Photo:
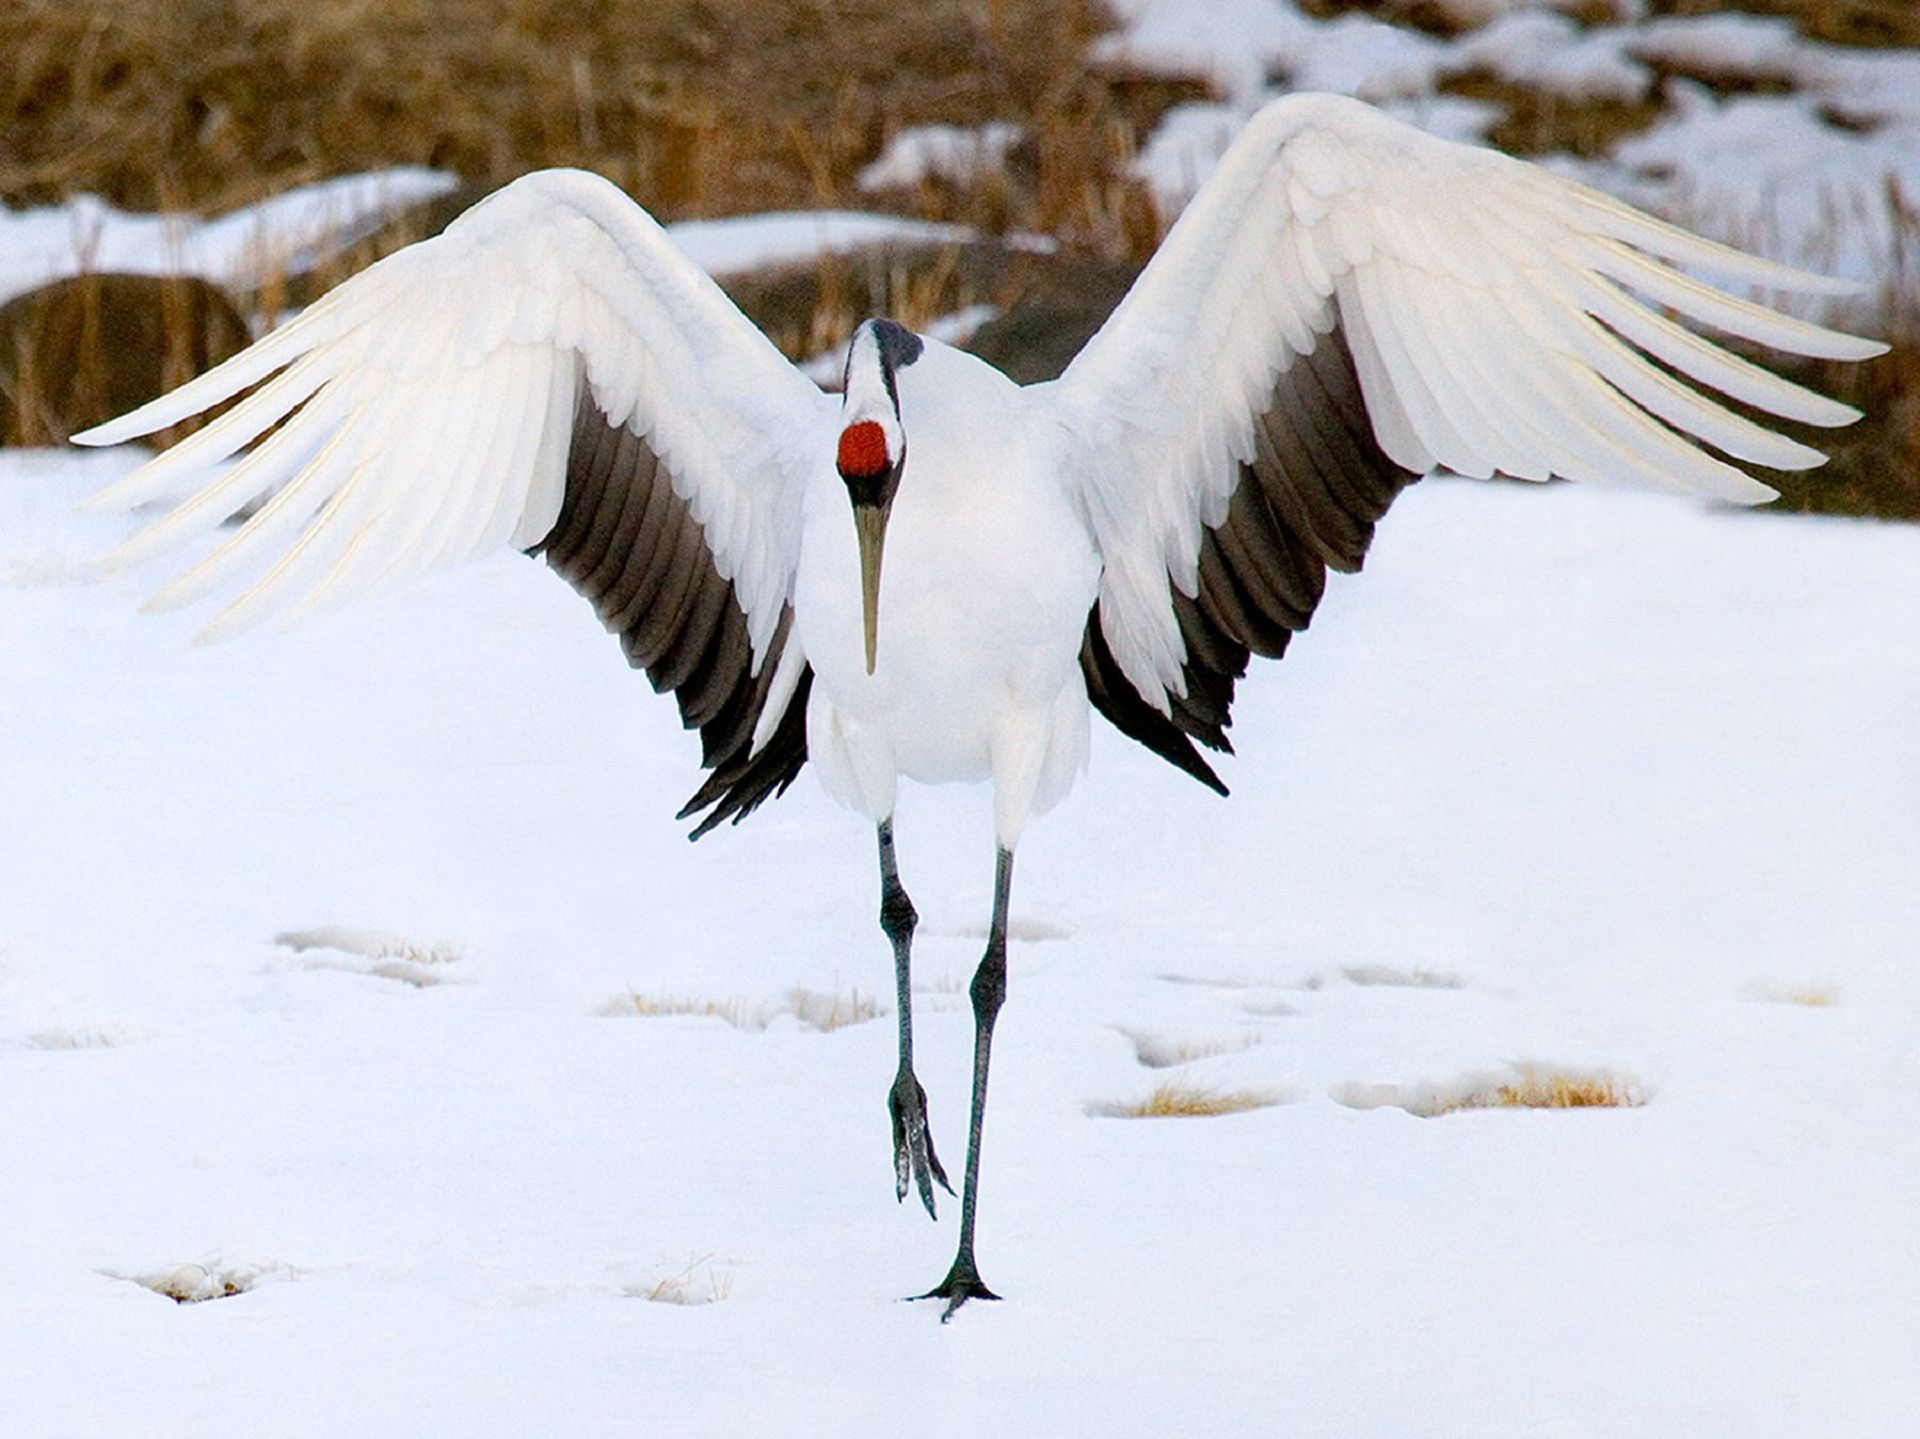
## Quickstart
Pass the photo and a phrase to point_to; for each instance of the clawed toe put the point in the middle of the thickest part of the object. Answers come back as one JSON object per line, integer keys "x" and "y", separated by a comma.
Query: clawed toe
{"x": 961, "y": 1284}
{"x": 913, "y": 1158}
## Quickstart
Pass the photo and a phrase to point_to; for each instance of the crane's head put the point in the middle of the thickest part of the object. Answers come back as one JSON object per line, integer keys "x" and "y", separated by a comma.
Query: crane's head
{"x": 873, "y": 449}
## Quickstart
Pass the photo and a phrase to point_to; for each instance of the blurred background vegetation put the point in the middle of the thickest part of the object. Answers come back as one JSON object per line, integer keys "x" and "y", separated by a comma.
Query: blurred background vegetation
{"x": 721, "y": 107}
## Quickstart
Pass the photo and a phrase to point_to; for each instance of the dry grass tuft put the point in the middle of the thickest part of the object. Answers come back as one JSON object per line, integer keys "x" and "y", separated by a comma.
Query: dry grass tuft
{"x": 733, "y": 1012}
{"x": 197, "y": 1283}
{"x": 1179, "y": 1099}
{"x": 827, "y": 1012}
{"x": 699, "y": 1283}
{"x": 1539, "y": 122}
{"x": 1536, "y": 1090}
{"x": 1819, "y": 994}
{"x": 812, "y": 1009}
{"x": 373, "y": 952}
{"x": 82, "y": 350}
{"x": 86, "y": 1036}
{"x": 370, "y": 944}
{"x": 1523, "y": 1086}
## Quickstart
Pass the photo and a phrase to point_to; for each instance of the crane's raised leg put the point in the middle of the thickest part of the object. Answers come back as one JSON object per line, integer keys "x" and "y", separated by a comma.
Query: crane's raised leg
{"x": 913, "y": 1155}
{"x": 989, "y": 991}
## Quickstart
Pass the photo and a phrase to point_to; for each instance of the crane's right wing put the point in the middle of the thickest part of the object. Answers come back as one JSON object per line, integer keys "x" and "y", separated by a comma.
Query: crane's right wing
{"x": 551, "y": 373}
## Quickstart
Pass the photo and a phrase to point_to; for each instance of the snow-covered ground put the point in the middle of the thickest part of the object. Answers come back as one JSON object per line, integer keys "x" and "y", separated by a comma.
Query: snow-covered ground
{"x": 292, "y": 232}
{"x": 1589, "y": 780}
{"x": 289, "y": 232}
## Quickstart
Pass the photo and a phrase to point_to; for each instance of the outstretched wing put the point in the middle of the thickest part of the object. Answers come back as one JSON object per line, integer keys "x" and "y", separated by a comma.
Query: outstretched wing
{"x": 550, "y": 373}
{"x": 1346, "y": 304}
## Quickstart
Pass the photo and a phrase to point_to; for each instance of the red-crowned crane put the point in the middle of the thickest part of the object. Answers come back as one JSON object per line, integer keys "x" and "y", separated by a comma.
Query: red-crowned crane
{"x": 940, "y": 574}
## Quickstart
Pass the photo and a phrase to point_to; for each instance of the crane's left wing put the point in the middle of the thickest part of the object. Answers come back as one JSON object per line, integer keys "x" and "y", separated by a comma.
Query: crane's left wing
{"x": 1346, "y": 304}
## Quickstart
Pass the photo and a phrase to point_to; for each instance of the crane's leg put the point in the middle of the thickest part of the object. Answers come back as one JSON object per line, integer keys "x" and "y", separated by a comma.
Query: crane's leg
{"x": 989, "y": 991}
{"x": 913, "y": 1155}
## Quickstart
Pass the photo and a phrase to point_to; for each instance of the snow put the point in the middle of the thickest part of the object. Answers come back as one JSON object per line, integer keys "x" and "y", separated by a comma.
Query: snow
{"x": 955, "y": 154}
{"x": 1768, "y": 171}
{"x": 290, "y": 231}
{"x": 241, "y": 249}
{"x": 1183, "y": 149}
{"x": 1231, "y": 43}
{"x": 1582, "y": 779}
{"x": 1864, "y": 86}
{"x": 1782, "y": 182}
{"x": 1754, "y": 47}
{"x": 799, "y": 237}
{"x": 1552, "y": 54}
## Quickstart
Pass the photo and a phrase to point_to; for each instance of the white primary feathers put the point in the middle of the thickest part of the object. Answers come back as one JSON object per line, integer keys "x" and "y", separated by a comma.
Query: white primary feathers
{"x": 1346, "y": 304}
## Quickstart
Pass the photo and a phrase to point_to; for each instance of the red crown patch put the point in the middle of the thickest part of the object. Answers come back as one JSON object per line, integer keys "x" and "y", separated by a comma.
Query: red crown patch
{"x": 863, "y": 450}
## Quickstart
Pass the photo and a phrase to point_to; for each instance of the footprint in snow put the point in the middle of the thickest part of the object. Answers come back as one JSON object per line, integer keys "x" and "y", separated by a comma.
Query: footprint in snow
{"x": 107, "y": 1034}
{"x": 1164, "y": 1051}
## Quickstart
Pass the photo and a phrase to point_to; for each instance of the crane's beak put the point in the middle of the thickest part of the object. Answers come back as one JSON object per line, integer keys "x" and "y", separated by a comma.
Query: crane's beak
{"x": 870, "y": 527}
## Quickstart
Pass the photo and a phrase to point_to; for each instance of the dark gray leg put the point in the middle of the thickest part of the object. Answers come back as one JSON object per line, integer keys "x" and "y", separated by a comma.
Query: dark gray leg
{"x": 912, "y": 1145}
{"x": 989, "y": 992}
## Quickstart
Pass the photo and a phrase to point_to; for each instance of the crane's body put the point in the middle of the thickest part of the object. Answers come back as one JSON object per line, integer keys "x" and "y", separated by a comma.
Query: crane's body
{"x": 939, "y": 575}
{"x": 990, "y": 574}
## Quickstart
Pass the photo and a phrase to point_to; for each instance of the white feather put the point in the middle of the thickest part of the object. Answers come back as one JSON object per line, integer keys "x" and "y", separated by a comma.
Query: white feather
{"x": 469, "y": 347}
{"x": 1467, "y": 285}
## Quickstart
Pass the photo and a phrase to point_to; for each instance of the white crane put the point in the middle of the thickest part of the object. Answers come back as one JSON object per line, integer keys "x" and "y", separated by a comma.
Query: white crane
{"x": 1345, "y": 305}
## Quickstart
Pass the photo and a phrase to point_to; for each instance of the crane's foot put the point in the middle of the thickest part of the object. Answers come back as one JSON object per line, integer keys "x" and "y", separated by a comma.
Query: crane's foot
{"x": 913, "y": 1157}
{"x": 961, "y": 1284}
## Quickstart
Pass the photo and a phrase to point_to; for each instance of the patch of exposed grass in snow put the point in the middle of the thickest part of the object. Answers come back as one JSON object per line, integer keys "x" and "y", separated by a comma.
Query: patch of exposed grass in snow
{"x": 197, "y": 1283}
{"x": 1871, "y": 24}
{"x": 828, "y": 1012}
{"x": 1522, "y": 1086}
{"x": 1180, "y": 1099}
{"x": 373, "y": 952}
{"x": 108, "y": 1035}
{"x": 1816, "y": 994}
{"x": 733, "y": 1011}
{"x": 1160, "y": 1051}
{"x": 699, "y": 1283}
{"x": 814, "y": 1009}
{"x": 1538, "y": 121}
{"x": 1449, "y": 19}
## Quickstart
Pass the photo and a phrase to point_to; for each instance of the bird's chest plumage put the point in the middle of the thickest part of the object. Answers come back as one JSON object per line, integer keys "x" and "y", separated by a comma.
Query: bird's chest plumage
{"x": 987, "y": 579}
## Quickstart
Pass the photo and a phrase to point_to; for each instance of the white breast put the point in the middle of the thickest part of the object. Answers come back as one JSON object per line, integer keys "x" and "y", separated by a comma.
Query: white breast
{"x": 988, "y": 578}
